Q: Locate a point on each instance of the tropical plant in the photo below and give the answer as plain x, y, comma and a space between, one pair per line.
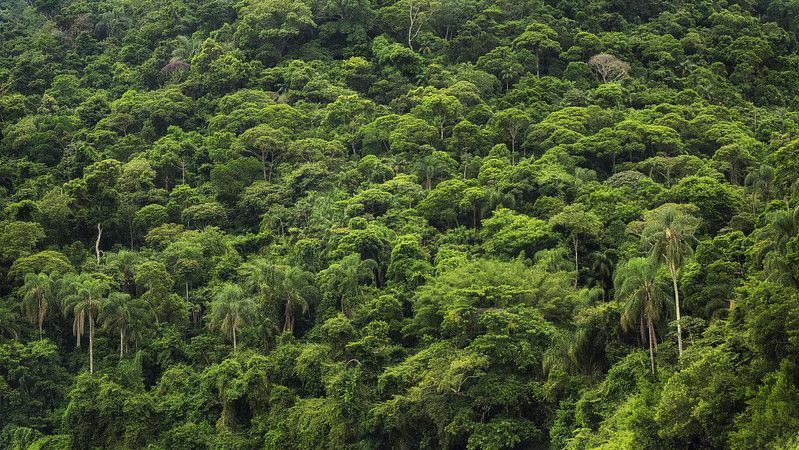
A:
297, 291
121, 313
760, 181
38, 292
670, 234
84, 300
643, 300
231, 310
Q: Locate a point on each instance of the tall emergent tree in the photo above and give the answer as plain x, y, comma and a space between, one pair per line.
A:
643, 300
121, 313
670, 233
38, 292
231, 310
84, 301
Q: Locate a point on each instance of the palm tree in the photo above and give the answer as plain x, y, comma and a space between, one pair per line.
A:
263, 278
84, 301
760, 181
643, 298
296, 290
125, 262
496, 198
112, 23
579, 353
140, 322
38, 292
9, 323
260, 275
601, 271
553, 259
120, 312
783, 225
231, 310
670, 233
186, 47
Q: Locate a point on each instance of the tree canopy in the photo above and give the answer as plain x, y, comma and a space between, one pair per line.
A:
361, 224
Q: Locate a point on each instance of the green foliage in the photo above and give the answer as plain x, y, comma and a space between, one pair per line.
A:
474, 224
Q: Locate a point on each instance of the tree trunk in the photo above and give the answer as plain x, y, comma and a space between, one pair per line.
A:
121, 343
576, 266
41, 319
412, 17
234, 339
673, 271
651, 344
91, 342
288, 324
97, 243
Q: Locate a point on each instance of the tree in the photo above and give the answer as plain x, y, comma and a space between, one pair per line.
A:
602, 271
345, 117
84, 300
409, 264
296, 292
414, 14
610, 68
272, 24
18, 239
512, 123
509, 233
101, 196
718, 202
440, 206
185, 49
412, 134
760, 180
120, 312
502, 63
577, 224
475, 199
266, 144
643, 300
204, 214
39, 291
776, 238
670, 235
48, 261
231, 310
436, 166
441, 109
734, 160
772, 415
371, 240
540, 39
35, 381
342, 279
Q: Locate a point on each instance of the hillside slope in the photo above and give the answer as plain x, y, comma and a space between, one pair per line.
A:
399, 224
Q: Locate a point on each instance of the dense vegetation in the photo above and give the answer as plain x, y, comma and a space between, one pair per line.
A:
473, 224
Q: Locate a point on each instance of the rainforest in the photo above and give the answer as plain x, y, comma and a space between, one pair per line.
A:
399, 224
